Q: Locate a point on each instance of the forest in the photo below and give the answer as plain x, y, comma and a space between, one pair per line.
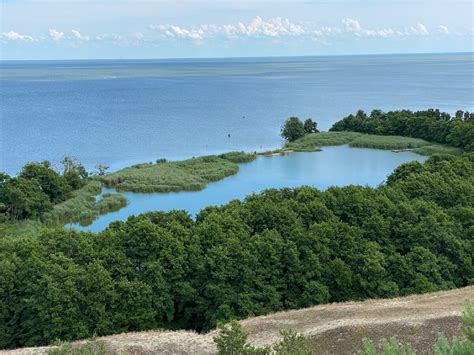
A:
276, 250
431, 125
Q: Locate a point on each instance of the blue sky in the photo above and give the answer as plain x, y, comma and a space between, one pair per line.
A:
51, 29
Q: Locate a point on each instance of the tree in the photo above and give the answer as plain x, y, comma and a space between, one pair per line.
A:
50, 182
74, 172
23, 198
101, 169
292, 129
310, 126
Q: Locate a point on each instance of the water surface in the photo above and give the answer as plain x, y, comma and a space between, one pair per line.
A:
122, 112
334, 166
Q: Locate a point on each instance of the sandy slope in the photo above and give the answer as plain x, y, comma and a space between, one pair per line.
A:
331, 329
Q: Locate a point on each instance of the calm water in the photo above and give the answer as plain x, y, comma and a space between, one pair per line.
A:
334, 166
123, 112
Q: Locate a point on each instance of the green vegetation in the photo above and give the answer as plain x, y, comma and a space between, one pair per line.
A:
89, 348
387, 142
277, 250
442, 347
83, 207
312, 142
186, 175
238, 157
437, 149
233, 340
430, 125
37, 188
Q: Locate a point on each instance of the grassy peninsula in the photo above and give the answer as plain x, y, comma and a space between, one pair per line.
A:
186, 175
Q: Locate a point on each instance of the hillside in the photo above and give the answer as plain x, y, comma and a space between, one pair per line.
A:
336, 328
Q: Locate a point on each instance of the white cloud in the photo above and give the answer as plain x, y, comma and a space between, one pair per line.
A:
257, 27
56, 35
79, 36
177, 31
15, 36
419, 29
443, 29
353, 26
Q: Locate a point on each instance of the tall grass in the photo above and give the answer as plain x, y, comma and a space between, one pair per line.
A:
238, 157
438, 148
83, 207
312, 142
186, 175
387, 142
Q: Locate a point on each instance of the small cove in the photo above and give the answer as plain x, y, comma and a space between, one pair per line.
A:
333, 166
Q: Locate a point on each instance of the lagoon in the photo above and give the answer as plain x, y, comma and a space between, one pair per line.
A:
333, 166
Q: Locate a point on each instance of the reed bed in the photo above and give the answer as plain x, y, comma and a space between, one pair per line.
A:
238, 157
186, 175
83, 207
312, 142
387, 142
438, 149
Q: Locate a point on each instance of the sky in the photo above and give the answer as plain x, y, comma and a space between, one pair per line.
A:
93, 29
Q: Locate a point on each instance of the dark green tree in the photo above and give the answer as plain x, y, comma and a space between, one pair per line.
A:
292, 129
310, 126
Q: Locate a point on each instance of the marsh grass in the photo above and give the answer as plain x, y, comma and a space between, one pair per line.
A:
238, 157
83, 207
312, 142
438, 148
186, 175
387, 142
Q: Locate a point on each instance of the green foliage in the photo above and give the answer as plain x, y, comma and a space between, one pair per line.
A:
437, 149
89, 348
232, 340
83, 207
238, 157
187, 175
391, 347
292, 343
310, 126
387, 142
292, 129
312, 142
38, 187
430, 125
277, 250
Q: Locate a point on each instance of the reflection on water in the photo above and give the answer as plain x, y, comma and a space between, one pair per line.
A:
334, 166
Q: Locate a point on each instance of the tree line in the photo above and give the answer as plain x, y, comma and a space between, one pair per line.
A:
276, 250
38, 187
431, 125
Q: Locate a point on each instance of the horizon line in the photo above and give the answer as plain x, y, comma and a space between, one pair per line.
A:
238, 57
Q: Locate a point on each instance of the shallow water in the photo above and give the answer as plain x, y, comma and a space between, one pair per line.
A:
334, 166
122, 112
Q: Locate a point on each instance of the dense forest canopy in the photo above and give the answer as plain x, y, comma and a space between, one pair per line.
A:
280, 249
431, 125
